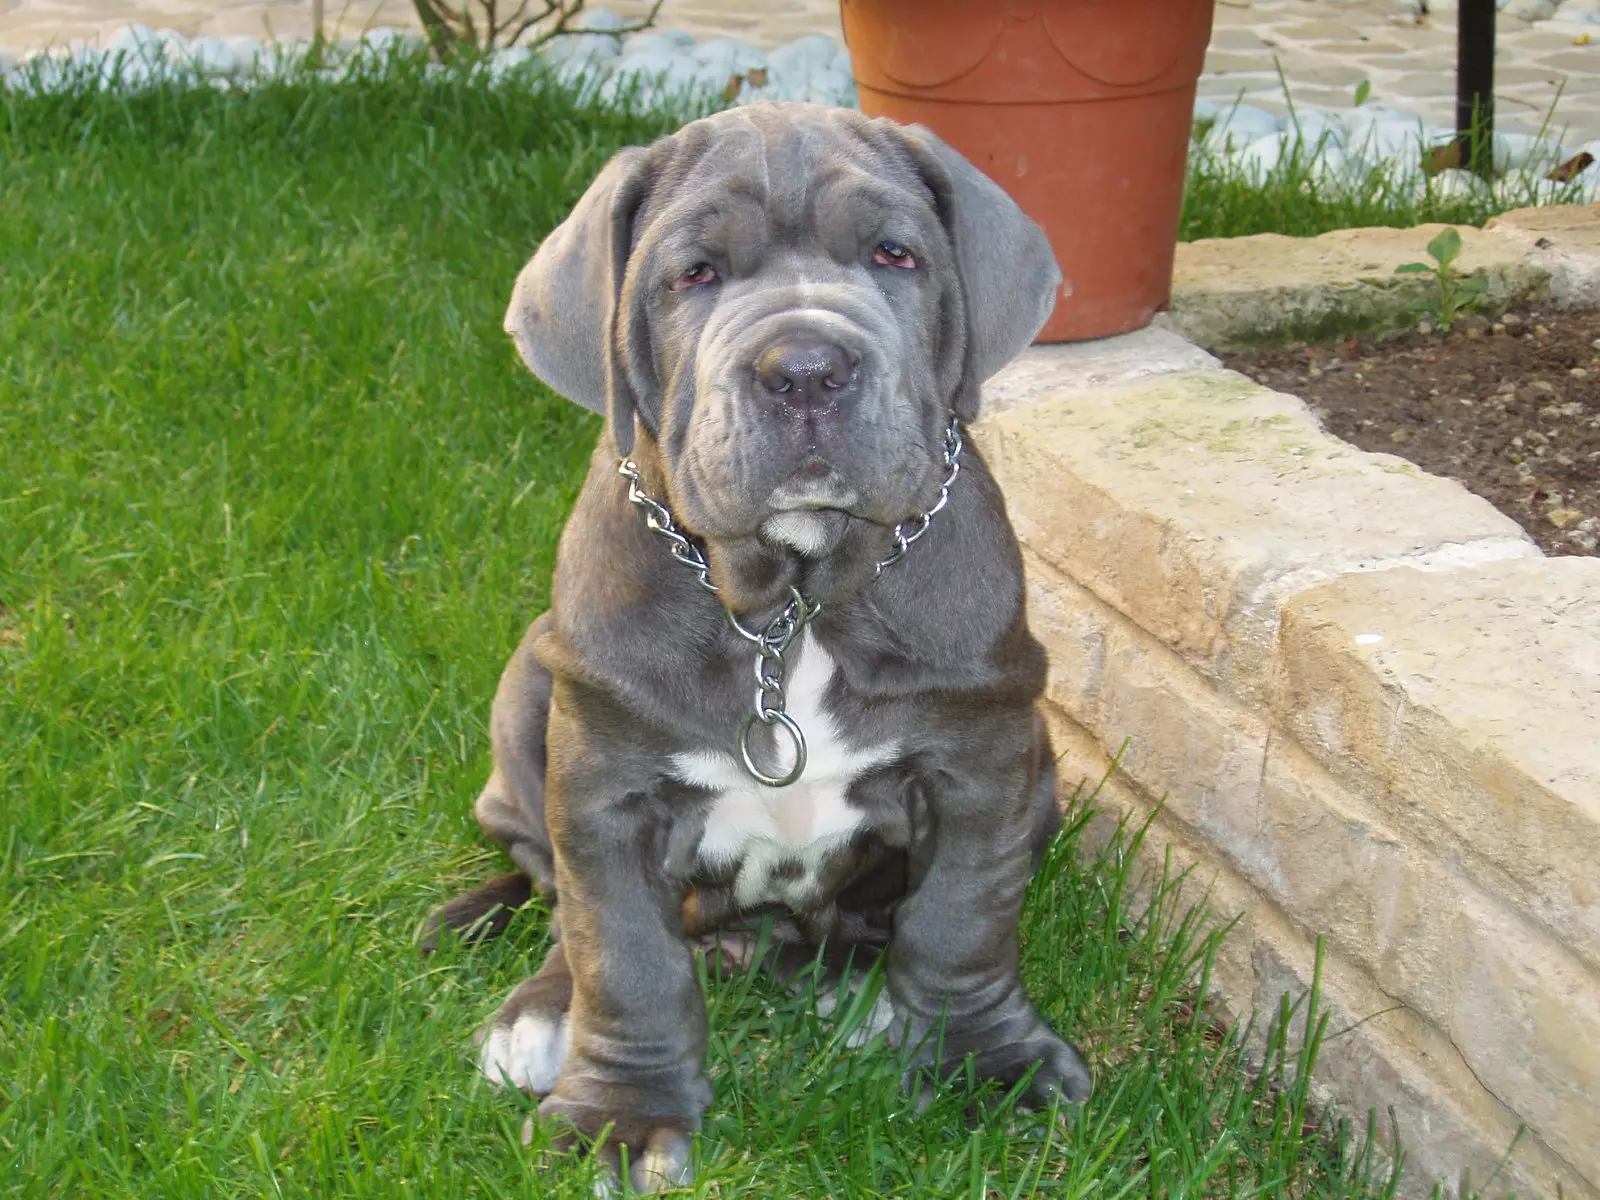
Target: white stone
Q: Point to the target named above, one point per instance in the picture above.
(729, 57)
(1524, 188)
(212, 56)
(1331, 170)
(1394, 141)
(8, 64)
(598, 20)
(1453, 184)
(1311, 128)
(507, 59)
(249, 55)
(651, 80)
(581, 48)
(387, 39)
(138, 40)
(656, 42)
(1260, 158)
(1531, 10)
(1237, 126)
(1358, 121)
(1205, 110)
(827, 86)
(281, 55)
(800, 57)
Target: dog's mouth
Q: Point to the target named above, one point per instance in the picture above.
(810, 510)
(811, 532)
(814, 484)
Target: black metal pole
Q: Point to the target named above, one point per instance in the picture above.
(1475, 85)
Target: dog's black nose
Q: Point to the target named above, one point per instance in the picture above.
(811, 373)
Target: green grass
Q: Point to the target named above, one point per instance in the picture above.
(1221, 201)
(276, 502)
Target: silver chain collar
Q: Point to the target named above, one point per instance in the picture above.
(780, 632)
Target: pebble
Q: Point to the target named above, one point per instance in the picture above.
(1238, 127)
(1578, 373)
(212, 56)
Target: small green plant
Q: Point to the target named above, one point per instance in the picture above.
(1455, 293)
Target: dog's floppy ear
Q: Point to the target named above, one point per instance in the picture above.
(564, 313)
(1009, 276)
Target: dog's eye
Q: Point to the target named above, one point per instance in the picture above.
(701, 274)
(893, 254)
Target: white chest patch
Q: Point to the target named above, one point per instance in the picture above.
(779, 838)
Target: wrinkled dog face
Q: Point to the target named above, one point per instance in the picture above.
(792, 300)
(796, 293)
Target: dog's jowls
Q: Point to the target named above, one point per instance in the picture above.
(779, 309)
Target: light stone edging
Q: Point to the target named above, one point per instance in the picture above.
(1268, 288)
(1358, 701)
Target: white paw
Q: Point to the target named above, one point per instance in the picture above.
(529, 1053)
(876, 1021)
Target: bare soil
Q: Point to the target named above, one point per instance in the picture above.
(1510, 408)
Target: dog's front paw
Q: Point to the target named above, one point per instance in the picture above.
(1061, 1075)
(526, 1044)
(651, 1124)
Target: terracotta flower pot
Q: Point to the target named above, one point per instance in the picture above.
(1081, 109)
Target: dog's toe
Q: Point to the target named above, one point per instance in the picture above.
(528, 1052)
(1062, 1077)
(664, 1163)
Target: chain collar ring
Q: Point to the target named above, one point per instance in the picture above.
(780, 632)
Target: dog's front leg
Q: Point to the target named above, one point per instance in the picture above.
(638, 1021)
(954, 952)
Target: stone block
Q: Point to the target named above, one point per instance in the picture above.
(1184, 739)
(1269, 288)
(1040, 372)
(1335, 867)
(1526, 1018)
(1381, 1054)
(1465, 706)
(1561, 240)
(1194, 502)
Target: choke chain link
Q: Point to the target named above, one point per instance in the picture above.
(780, 632)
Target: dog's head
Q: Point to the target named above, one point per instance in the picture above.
(789, 301)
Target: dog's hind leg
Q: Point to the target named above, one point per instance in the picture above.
(511, 806)
(526, 1043)
(478, 915)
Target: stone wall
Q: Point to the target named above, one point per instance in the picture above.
(1367, 707)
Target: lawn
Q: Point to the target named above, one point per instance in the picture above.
(276, 502)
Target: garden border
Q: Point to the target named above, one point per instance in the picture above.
(1275, 622)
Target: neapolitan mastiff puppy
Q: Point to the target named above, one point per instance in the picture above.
(758, 691)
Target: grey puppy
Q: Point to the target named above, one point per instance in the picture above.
(784, 311)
